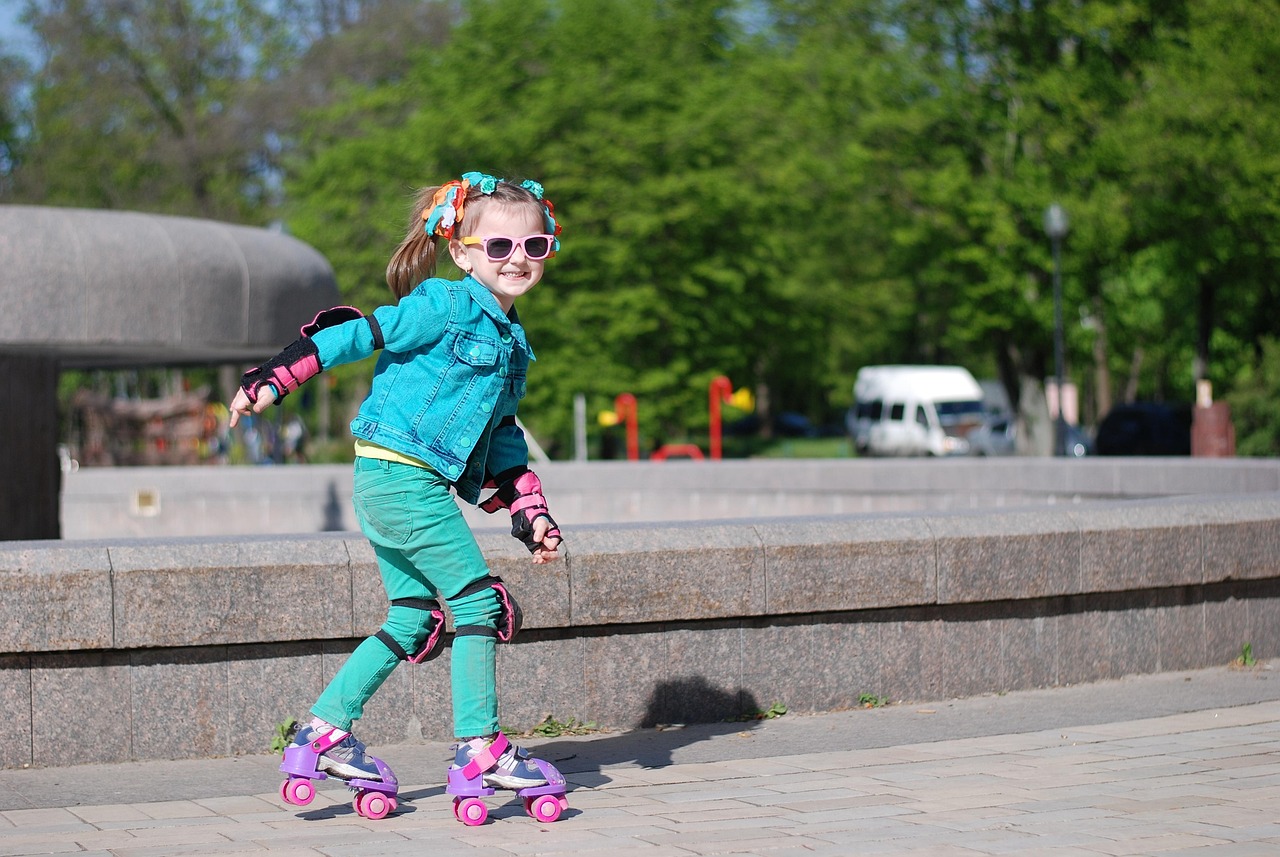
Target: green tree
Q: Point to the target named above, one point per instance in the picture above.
(190, 106)
(637, 154)
(142, 107)
(13, 74)
(1199, 148)
(1255, 402)
(784, 191)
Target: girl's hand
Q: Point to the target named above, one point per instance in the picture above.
(550, 547)
(240, 404)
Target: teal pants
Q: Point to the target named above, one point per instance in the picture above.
(425, 550)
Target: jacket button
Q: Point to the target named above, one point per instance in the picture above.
(453, 470)
(464, 441)
(486, 407)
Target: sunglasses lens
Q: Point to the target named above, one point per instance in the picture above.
(499, 248)
(537, 246)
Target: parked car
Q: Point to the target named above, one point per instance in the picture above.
(1145, 428)
(998, 435)
(785, 424)
(792, 424)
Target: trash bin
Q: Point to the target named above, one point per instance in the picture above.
(1212, 433)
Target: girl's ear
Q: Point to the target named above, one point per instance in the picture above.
(458, 251)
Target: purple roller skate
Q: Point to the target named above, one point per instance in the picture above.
(478, 771)
(313, 756)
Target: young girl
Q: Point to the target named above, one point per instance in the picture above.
(440, 415)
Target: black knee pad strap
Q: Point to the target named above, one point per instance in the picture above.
(510, 617)
(429, 647)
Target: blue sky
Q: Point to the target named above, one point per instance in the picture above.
(13, 36)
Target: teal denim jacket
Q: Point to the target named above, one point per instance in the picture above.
(446, 387)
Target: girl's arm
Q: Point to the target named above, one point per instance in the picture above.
(299, 361)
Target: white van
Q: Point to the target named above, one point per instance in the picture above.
(914, 410)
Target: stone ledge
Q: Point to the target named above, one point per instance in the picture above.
(196, 647)
(139, 594)
(218, 501)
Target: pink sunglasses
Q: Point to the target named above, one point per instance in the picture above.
(498, 248)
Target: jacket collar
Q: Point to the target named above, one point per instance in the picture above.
(487, 302)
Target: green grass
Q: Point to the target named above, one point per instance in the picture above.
(284, 733)
(774, 711)
(553, 728)
(804, 447)
(789, 447)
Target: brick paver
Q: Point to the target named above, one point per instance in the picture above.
(1205, 782)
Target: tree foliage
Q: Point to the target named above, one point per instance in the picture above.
(1255, 403)
(780, 191)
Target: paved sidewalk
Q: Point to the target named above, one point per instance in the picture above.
(1181, 763)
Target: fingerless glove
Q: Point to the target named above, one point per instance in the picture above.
(522, 495)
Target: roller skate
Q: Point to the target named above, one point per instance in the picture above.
(480, 769)
(316, 756)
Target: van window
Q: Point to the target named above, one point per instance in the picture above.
(920, 416)
(870, 410)
(896, 410)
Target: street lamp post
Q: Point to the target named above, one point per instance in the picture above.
(1055, 226)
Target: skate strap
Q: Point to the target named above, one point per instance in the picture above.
(486, 759)
(329, 740)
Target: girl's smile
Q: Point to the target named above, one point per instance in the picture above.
(507, 278)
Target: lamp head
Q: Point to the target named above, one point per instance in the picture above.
(1055, 221)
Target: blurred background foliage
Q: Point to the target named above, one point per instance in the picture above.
(779, 191)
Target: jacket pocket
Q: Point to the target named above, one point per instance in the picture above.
(476, 351)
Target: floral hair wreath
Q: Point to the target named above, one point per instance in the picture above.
(449, 201)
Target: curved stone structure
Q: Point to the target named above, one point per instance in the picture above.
(94, 289)
(102, 288)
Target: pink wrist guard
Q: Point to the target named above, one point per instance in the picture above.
(300, 361)
(285, 372)
(522, 496)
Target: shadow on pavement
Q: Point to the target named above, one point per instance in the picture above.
(680, 712)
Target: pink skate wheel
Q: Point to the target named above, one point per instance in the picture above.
(546, 808)
(471, 811)
(298, 791)
(373, 805)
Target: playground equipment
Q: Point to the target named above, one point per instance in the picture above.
(721, 390)
(624, 405)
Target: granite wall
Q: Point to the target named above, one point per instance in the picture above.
(196, 647)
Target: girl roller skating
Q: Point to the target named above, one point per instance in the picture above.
(440, 417)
